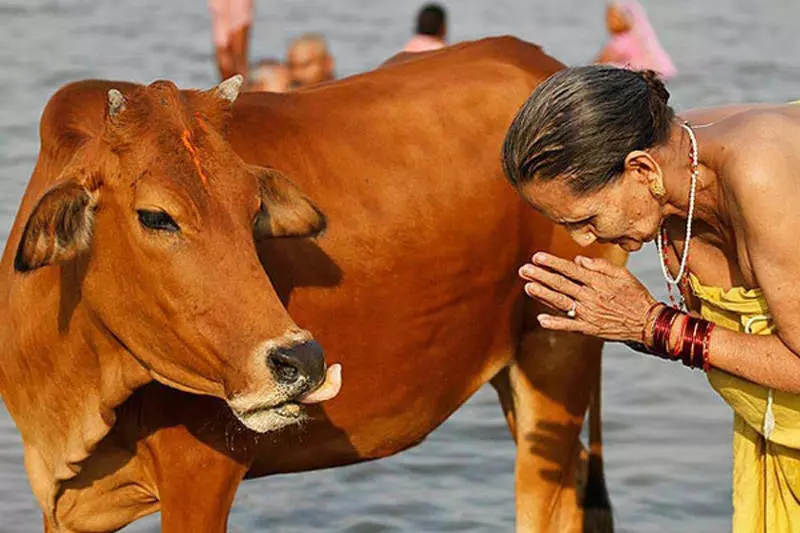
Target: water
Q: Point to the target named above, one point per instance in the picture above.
(667, 435)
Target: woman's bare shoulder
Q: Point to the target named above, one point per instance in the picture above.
(761, 132)
(711, 115)
(760, 149)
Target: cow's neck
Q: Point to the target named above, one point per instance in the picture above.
(83, 376)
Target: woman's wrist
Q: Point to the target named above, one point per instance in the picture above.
(649, 323)
(671, 334)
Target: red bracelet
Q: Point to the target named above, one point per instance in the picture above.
(694, 345)
(661, 330)
(676, 350)
(693, 339)
(658, 328)
(649, 322)
(697, 356)
(688, 344)
(668, 333)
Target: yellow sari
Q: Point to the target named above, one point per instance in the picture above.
(766, 426)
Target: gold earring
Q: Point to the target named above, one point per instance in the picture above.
(657, 188)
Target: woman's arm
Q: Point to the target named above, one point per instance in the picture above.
(763, 359)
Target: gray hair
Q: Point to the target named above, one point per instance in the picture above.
(582, 122)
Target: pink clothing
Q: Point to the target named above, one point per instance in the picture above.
(228, 16)
(422, 43)
(638, 48)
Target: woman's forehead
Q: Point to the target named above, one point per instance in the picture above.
(556, 199)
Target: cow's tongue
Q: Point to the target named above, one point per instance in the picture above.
(329, 388)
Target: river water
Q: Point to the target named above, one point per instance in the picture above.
(667, 435)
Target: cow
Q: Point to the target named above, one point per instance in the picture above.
(116, 277)
(412, 289)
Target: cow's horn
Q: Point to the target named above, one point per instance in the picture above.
(116, 103)
(229, 89)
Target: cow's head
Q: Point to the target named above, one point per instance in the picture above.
(159, 218)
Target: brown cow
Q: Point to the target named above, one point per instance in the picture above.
(413, 289)
(117, 273)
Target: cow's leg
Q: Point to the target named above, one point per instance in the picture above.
(502, 385)
(597, 517)
(196, 463)
(196, 492)
(550, 383)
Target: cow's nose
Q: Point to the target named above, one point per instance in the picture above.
(299, 362)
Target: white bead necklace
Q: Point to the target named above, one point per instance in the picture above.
(692, 190)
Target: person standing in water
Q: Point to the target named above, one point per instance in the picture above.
(633, 42)
(598, 150)
(431, 30)
(230, 26)
(310, 61)
(269, 75)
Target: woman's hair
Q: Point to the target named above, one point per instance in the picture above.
(582, 122)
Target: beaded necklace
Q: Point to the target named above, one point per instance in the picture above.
(663, 238)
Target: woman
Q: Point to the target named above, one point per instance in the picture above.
(633, 42)
(598, 150)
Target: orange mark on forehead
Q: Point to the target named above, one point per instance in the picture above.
(201, 121)
(186, 138)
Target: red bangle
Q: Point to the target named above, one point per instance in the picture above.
(658, 328)
(676, 350)
(649, 322)
(696, 360)
(688, 346)
(693, 339)
(686, 341)
(661, 330)
(694, 345)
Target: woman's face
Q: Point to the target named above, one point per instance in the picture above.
(623, 213)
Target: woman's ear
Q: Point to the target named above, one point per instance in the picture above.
(647, 170)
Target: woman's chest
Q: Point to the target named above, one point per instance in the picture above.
(719, 261)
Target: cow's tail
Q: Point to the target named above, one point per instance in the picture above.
(597, 516)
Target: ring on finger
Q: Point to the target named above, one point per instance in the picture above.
(572, 311)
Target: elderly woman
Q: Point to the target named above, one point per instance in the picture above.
(598, 150)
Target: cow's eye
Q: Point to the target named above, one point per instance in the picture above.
(157, 220)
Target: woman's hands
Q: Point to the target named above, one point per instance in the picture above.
(609, 302)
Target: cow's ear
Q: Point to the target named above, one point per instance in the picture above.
(59, 227)
(285, 211)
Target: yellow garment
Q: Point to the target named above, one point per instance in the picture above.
(766, 426)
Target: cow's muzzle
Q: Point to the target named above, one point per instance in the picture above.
(300, 377)
(299, 366)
